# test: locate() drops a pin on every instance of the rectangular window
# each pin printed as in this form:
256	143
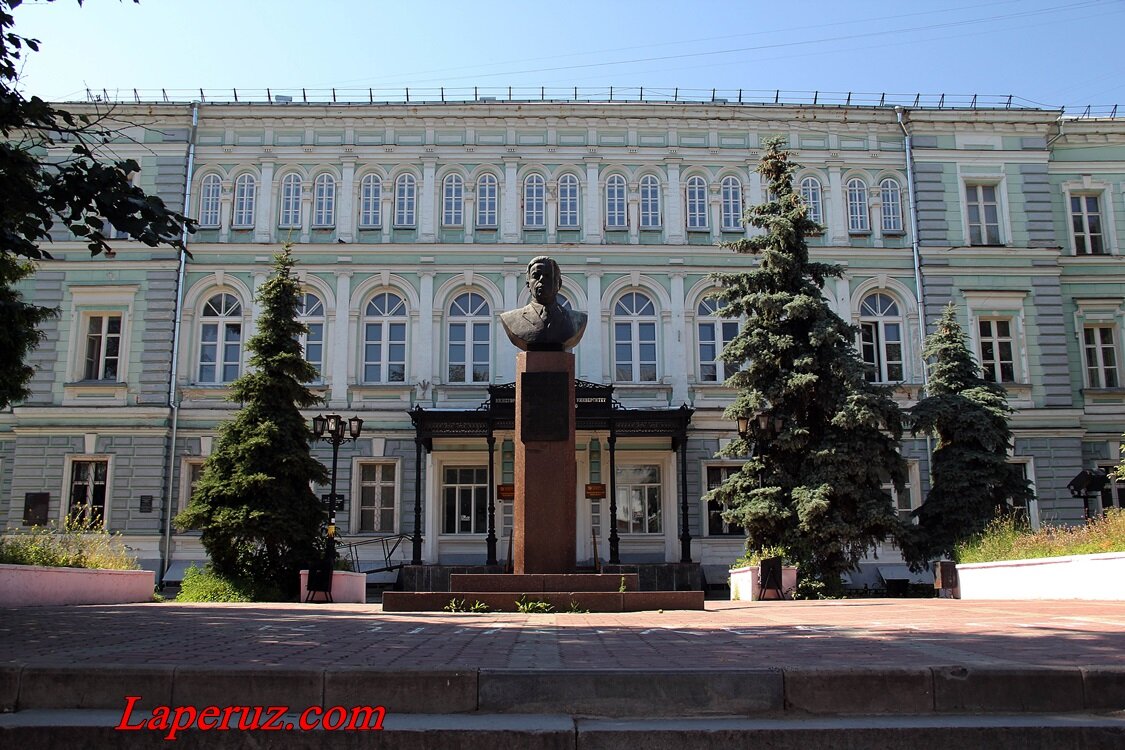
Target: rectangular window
716	526
1101	356
87	491
377	497
191	472
220	361
639	507
997	350
568	202
881	349
905	502
313	345
464	500
983	209
714	335
1086	222
468	352
103	347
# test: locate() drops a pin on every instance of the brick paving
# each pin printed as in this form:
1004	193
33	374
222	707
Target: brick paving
855	634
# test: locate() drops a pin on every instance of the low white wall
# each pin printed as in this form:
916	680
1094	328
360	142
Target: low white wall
37	586
347	587
1076	577
744	583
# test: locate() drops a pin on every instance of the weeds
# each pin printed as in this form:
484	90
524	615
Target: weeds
1008	539
533	607
78	544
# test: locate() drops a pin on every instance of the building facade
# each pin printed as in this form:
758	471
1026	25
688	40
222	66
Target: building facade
413	225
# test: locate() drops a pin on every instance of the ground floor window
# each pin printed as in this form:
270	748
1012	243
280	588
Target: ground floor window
191	472
908	500
639	507
87	491
377	497
464	500
1113	494
716	526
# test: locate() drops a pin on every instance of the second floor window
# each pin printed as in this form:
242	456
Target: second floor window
370	201
1101	356
103	347
290	202
384	339
983	210
615	215
732	204
488	201
310	311
650	202
245	192
714	334
220	340
997	350
568	202
470	337
634	339
453	201
696	203
324	201
210	191
534	202
880	333
859	218
890	195
1086	222
813	197
405	198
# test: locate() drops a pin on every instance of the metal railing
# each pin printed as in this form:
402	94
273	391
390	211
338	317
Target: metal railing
389	546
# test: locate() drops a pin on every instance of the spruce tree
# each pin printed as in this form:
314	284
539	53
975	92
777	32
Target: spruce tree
814	484
972	480
254	504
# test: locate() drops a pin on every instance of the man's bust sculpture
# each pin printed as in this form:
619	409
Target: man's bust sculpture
544	325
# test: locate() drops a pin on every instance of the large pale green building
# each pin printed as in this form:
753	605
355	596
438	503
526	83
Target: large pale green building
413	224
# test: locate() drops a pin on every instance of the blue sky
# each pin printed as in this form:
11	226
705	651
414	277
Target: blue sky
1048	52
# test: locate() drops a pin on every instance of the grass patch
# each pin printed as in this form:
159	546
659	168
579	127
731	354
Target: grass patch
203	585
1008	539
78	544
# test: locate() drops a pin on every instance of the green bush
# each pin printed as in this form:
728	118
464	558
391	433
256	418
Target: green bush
1010	539
204	585
78	544
753	557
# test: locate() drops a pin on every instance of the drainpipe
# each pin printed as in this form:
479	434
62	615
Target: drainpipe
173	403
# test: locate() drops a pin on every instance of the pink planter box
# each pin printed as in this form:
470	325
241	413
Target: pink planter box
744	583
37	586
347	587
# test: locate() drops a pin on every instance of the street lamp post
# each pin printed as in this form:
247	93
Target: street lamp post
330	428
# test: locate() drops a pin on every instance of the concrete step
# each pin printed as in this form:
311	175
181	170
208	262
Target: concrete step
531	582
589	601
70	729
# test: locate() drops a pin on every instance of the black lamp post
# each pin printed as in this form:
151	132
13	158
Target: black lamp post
330	428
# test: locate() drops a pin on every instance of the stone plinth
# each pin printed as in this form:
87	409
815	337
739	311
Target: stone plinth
544	511
534	582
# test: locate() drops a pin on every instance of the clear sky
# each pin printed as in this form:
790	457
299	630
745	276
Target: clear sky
1047	52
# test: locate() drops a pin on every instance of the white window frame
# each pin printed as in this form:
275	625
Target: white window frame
210	201
616	200
469	322
569	202
711	317
245	201
186	466
453	200
92	301
1098	372
221	322
651	215
1099	313
289	213
977	184
324	201
733	204
386	317
624	462
876	344
912	490
467	461
103	336
696	211
356	516
488	202
859	207
726	469
68	481
1033	502
371	202
635	343
1000	304
993	369
406	201
310	320
534	202
890	198
812	192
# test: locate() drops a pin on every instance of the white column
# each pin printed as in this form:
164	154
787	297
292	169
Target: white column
674	207
837	218
506	369
592	221
633	206
470	211
387	209
426	204
591	344
338	366
345	203
715	204
263	229
675	334
306	209
510	204
224	210
875	201
552	212
423	344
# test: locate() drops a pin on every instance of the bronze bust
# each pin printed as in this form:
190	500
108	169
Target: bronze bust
544	324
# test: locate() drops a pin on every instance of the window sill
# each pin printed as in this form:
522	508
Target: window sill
859	232
207	394
382	393
95	393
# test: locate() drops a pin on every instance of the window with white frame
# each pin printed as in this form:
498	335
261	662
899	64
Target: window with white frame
650	202
370	201
615	214
1113	494
534	202
982	208
568	202
639	499
488	201
714	333
453	201
245	194
210	191
470	339
290	216
859	215
909	499
890	195
406	196
190	472
731	213
377	501
464	491
813	196
1086	224
1099	344
86	501
1024	508
310	311
634	339
997	349
324	200
103	347
384	339
696	204
716	525
220	340
880	326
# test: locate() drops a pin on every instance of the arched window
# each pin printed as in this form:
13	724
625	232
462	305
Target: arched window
245	193
384	339
370	201
453	201
714	334
324	201
220	339
290	201
470	339
568	202
488	201
813	197
310	311
650	202
732	204
880	325
696	203
615	216
534	202
209	191
891	197
634	339
859	219
405	200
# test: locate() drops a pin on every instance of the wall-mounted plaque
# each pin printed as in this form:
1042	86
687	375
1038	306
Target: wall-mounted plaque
146	503
505	492
544	406
35	508
595	491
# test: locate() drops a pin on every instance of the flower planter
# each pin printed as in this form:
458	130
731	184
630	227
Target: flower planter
38	586
1100	577
347	587
744	583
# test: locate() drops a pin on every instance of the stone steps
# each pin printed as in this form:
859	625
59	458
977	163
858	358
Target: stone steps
560	601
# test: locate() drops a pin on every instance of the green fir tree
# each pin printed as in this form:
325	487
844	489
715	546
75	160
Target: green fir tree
19	330
972	481
814	483
254	503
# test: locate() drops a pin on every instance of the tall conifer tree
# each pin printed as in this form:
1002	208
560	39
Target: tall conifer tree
254	504
814	485
972	480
